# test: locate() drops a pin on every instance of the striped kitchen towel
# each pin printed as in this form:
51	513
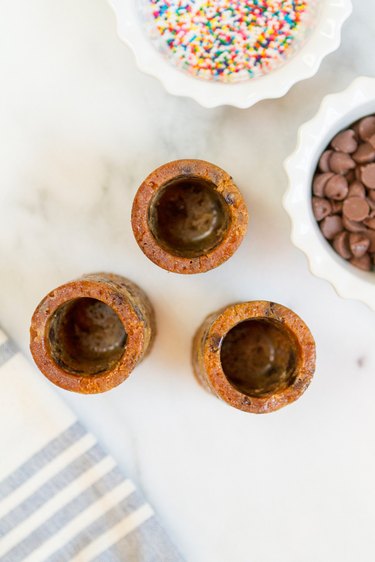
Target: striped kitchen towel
61	496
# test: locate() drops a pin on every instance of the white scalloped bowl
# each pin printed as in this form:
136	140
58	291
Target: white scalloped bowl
323	39
336	112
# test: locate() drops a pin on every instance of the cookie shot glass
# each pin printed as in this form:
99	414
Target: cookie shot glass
188	216
256	356
88	335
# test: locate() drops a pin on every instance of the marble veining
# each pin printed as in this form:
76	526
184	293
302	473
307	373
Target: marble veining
80	128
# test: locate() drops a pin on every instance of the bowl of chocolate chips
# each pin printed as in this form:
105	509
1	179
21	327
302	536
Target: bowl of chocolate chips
331	193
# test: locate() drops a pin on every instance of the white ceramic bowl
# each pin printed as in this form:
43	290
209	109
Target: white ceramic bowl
336	112
324	39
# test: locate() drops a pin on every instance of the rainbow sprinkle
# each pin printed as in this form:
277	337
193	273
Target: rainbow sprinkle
228	40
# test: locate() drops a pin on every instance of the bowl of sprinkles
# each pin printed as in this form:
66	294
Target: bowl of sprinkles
230	52
229	40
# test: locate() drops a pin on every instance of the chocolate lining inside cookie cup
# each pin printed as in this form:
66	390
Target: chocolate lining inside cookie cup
88	335
188	216
259	357
256	356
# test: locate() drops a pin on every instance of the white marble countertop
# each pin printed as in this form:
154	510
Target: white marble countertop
80	127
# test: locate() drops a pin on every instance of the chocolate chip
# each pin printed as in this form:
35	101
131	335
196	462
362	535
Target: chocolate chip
353	226
230	198
370	221
336	188
341	163
368	175
355	128
357	189
364	154
371	236
356	208
319	183
345	141
359	244
215	342
330	226
358	173
366	127
321	208
371	140
362	263
324	161
341	245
